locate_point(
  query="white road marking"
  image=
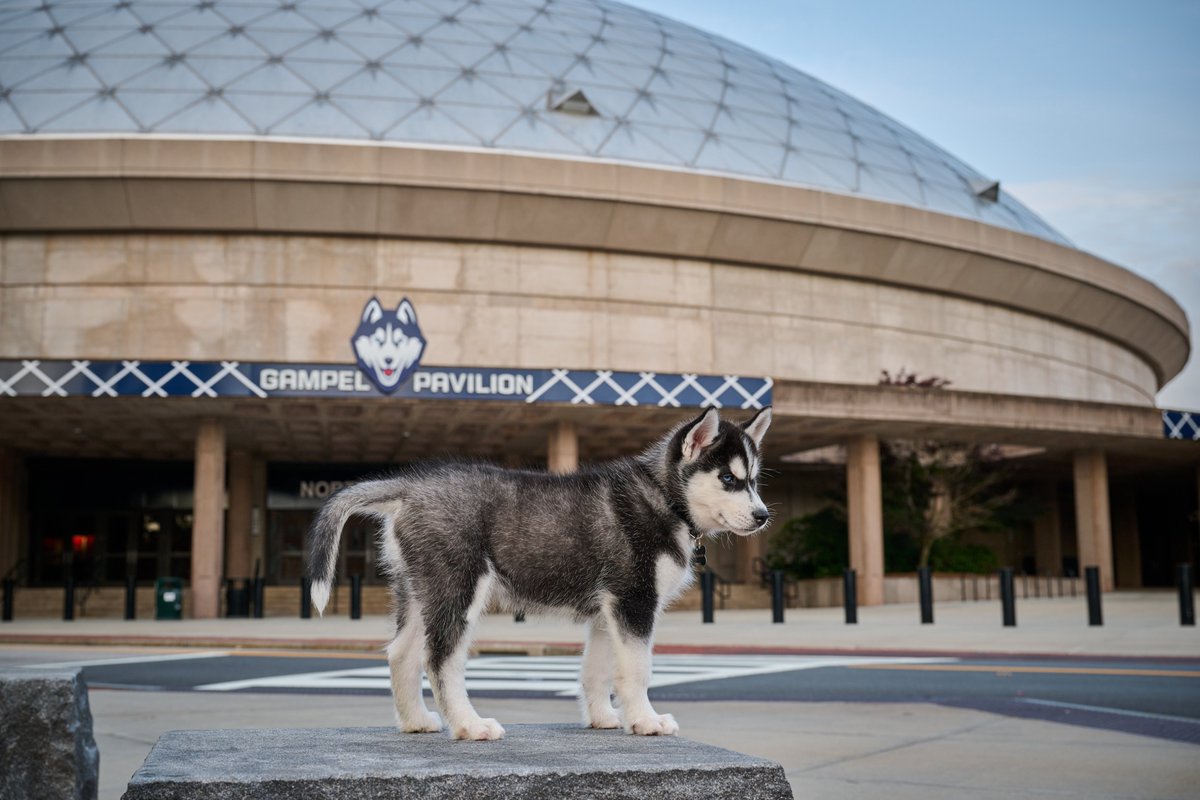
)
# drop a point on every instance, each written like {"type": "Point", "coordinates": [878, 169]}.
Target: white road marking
{"type": "Point", "coordinates": [559, 675]}
{"type": "Point", "coordinates": [129, 660]}
{"type": "Point", "coordinates": [1102, 710]}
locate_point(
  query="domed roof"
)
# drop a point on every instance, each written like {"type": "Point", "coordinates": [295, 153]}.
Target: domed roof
{"type": "Point", "coordinates": [576, 78]}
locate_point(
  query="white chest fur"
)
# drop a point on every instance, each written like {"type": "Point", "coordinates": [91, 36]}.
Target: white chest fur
{"type": "Point", "coordinates": [671, 579]}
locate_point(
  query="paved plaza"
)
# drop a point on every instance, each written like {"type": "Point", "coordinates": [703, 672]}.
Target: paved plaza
{"type": "Point", "coordinates": [1136, 624]}
{"type": "Point", "coordinates": [830, 748]}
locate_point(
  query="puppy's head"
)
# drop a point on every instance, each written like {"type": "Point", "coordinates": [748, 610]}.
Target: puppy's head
{"type": "Point", "coordinates": [717, 463]}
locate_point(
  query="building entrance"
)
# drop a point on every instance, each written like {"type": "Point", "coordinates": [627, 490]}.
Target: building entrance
{"type": "Point", "coordinates": [102, 522]}
{"type": "Point", "coordinates": [295, 492]}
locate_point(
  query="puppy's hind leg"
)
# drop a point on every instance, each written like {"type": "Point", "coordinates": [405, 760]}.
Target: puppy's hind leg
{"type": "Point", "coordinates": [596, 679]}
{"type": "Point", "coordinates": [449, 626]}
{"type": "Point", "coordinates": [404, 663]}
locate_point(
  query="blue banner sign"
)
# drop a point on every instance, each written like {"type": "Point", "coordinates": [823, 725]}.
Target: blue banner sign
{"type": "Point", "coordinates": [81, 378]}
{"type": "Point", "coordinates": [1181, 425]}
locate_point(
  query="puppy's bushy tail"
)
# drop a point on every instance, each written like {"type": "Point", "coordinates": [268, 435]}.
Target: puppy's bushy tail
{"type": "Point", "coordinates": [325, 533]}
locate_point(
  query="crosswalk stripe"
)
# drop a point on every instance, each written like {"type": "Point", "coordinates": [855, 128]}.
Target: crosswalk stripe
{"type": "Point", "coordinates": [559, 675]}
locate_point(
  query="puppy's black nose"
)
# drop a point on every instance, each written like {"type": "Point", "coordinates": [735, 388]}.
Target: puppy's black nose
{"type": "Point", "coordinates": [760, 515]}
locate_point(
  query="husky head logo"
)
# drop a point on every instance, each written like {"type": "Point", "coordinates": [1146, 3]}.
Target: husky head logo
{"type": "Point", "coordinates": [388, 344]}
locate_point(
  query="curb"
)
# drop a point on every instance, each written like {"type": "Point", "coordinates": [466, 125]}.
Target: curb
{"type": "Point", "coordinates": [537, 649]}
{"type": "Point", "coordinates": [250, 643]}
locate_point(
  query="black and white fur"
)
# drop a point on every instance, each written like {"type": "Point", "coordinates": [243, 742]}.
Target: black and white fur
{"type": "Point", "coordinates": [610, 545]}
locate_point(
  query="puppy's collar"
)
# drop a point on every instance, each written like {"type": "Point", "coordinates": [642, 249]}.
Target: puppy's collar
{"type": "Point", "coordinates": [698, 550]}
{"type": "Point", "coordinates": [686, 519]}
{"type": "Point", "coordinates": [677, 508]}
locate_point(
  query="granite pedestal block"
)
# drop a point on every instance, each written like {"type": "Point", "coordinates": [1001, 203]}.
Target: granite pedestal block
{"type": "Point", "coordinates": [46, 745]}
{"type": "Point", "coordinates": [532, 762]}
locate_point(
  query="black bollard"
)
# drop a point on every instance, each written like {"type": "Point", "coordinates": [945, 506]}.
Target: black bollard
{"type": "Point", "coordinates": [10, 589]}
{"type": "Point", "coordinates": [850, 596]}
{"type": "Point", "coordinates": [356, 597]}
{"type": "Point", "coordinates": [305, 600]}
{"type": "Point", "coordinates": [925, 585]}
{"type": "Point", "coordinates": [130, 597]}
{"type": "Point", "coordinates": [1008, 600]}
{"type": "Point", "coordinates": [777, 600]}
{"type": "Point", "coordinates": [256, 590]}
{"type": "Point", "coordinates": [1187, 601]}
{"type": "Point", "coordinates": [1095, 616]}
{"type": "Point", "coordinates": [259, 595]}
{"type": "Point", "coordinates": [247, 594]}
{"type": "Point", "coordinates": [69, 598]}
{"type": "Point", "coordinates": [237, 604]}
{"type": "Point", "coordinates": [707, 583]}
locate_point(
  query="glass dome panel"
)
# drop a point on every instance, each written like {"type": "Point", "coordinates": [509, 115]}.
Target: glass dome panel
{"type": "Point", "coordinates": [466, 72]}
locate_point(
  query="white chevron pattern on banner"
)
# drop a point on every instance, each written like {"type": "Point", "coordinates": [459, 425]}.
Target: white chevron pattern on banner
{"type": "Point", "coordinates": [1181, 425]}
{"type": "Point", "coordinates": [131, 378]}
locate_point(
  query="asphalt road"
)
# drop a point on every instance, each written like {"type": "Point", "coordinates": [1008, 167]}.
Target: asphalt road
{"type": "Point", "coordinates": [1146, 697]}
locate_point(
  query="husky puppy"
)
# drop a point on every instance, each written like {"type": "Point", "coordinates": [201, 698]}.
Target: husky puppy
{"type": "Point", "coordinates": [610, 545]}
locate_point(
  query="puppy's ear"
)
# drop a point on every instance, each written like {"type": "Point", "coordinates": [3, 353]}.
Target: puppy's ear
{"type": "Point", "coordinates": [700, 434]}
{"type": "Point", "coordinates": [756, 427]}
{"type": "Point", "coordinates": [372, 311]}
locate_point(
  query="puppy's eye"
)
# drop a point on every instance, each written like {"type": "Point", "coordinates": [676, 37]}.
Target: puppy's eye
{"type": "Point", "coordinates": [727, 478]}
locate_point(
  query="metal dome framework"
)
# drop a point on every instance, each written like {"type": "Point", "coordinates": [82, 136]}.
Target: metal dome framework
{"type": "Point", "coordinates": [474, 74]}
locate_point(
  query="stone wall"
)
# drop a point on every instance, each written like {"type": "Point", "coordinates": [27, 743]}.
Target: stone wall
{"type": "Point", "coordinates": [294, 298]}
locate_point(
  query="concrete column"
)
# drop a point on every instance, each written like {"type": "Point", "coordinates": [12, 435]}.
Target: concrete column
{"type": "Point", "coordinates": [241, 509]}
{"type": "Point", "coordinates": [864, 501]}
{"type": "Point", "coordinates": [1093, 526]}
{"type": "Point", "coordinates": [562, 453]}
{"type": "Point", "coordinates": [13, 511]}
{"type": "Point", "coordinates": [1047, 530]}
{"type": "Point", "coordinates": [1127, 544]}
{"type": "Point", "coordinates": [208, 524]}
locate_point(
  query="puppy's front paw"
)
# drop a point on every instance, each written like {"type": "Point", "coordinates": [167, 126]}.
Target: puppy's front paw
{"type": "Point", "coordinates": [653, 725]}
{"type": "Point", "coordinates": [605, 718]}
{"type": "Point", "coordinates": [427, 723]}
{"type": "Point", "coordinates": [480, 730]}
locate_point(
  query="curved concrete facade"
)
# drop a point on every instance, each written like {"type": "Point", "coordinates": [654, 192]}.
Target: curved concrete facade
{"type": "Point", "coordinates": [293, 298]}
{"type": "Point", "coordinates": [520, 260]}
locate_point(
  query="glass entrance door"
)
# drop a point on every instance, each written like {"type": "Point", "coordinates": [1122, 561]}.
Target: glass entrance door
{"type": "Point", "coordinates": [164, 544]}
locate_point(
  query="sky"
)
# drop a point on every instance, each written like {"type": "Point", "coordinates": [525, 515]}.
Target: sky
{"type": "Point", "coordinates": [1087, 111]}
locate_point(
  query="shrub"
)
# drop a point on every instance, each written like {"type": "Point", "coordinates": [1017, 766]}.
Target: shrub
{"type": "Point", "coordinates": [951, 555]}
{"type": "Point", "coordinates": [812, 546]}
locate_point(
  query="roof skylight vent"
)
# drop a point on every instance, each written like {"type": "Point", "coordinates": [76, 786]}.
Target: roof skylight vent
{"type": "Point", "coordinates": [986, 189]}
{"type": "Point", "coordinates": [572, 101]}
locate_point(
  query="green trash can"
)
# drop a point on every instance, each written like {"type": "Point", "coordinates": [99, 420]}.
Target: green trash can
{"type": "Point", "coordinates": [168, 598]}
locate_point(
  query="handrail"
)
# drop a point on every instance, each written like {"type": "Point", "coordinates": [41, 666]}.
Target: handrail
{"type": "Point", "coordinates": [13, 572]}
{"type": "Point", "coordinates": [723, 586]}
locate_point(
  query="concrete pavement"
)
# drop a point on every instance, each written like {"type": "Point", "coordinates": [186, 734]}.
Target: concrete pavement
{"type": "Point", "coordinates": [839, 751]}
{"type": "Point", "coordinates": [1136, 624]}
{"type": "Point", "coordinates": [829, 750]}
